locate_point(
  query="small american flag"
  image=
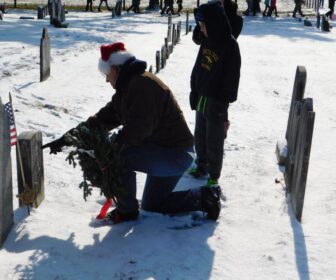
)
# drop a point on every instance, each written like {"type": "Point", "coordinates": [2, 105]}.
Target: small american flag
{"type": "Point", "coordinates": [8, 109]}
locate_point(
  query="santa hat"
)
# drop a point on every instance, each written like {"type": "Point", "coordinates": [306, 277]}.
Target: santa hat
{"type": "Point", "coordinates": [112, 54]}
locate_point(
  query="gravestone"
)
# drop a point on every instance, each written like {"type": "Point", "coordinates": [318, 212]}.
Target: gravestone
{"type": "Point", "coordinates": [6, 192]}
{"type": "Point", "coordinates": [302, 155]}
{"type": "Point", "coordinates": [44, 55]}
{"type": "Point", "coordinates": [57, 15]}
{"type": "Point", "coordinates": [30, 143]}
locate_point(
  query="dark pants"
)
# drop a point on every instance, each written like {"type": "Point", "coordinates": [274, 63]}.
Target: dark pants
{"type": "Point", "coordinates": [297, 8]}
{"type": "Point", "coordinates": [331, 8]}
{"type": "Point", "coordinates": [101, 2]}
{"type": "Point", "coordinates": [168, 8]}
{"type": "Point", "coordinates": [89, 5]}
{"type": "Point", "coordinates": [209, 138]}
{"type": "Point", "coordinates": [164, 167]}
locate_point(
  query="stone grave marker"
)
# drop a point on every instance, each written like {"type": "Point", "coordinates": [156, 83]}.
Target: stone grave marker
{"type": "Point", "coordinates": [32, 193]}
{"type": "Point", "coordinates": [44, 55]}
{"type": "Point", "coordinates": [6, 192]}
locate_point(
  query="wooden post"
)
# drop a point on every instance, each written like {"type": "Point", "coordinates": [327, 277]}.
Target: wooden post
{"type": "Point", "coordinates": [174, 34]}
{"type": "Point", "coordinates": [169, 35]}
{"type": "Point", "coordinates": [166, 47]}
{"type": "Point", "coordinates": [32, 163]}
{"type": "Point", "coordinates": [178, 35]}
{"type": "Point", "coordinates": [157, 59]}
{"type": "Point", "coordinates": [44, 55]}
{"type": "Point", "coordinates": [187, 23]}
{"type": "Point", "coordinates": [6, 193]}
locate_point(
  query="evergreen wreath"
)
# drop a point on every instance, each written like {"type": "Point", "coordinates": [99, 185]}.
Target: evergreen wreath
{"type": "Point", "coordinates": [100, 158]}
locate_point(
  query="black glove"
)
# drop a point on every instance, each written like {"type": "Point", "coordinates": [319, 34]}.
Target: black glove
{"type": "Point", "coordinates": [55, 146]}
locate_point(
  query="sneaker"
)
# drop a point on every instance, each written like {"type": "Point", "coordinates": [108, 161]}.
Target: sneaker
{"type": "Point", "coordinates": [116, 217]}
{"type": "Point", "coordinates": [198, 172]}
{"type": "Point", "coordinates": [212, 183]}
{"type": "Point", "coordinates": [210, 199]}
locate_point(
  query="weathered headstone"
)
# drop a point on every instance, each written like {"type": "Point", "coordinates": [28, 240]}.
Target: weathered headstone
{"type": "Point", "coordinates": [57, 15]}
{"type": "Point", "coordinates": [30, 143]}
{"type": "Point", "coordinates": [302, 155]}
{"type": "Point", "coordinates": [6, 192]}
{"type": "Point", "coordinates": [44, 55]}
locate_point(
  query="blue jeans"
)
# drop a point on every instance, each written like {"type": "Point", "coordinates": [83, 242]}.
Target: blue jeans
{"type": "Point", "coordinates": [164, 167]}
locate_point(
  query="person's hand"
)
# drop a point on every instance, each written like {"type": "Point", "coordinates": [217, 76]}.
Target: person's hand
{"type": "Point", "coordinates": [55, 146]}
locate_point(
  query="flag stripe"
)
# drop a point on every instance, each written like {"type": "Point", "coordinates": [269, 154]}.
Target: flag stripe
{"type": "Point", "coordinates": [12, 130]}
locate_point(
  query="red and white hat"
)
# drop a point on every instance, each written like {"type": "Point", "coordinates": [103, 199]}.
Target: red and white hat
{"type": "Point", "coordinates": [112, 54]}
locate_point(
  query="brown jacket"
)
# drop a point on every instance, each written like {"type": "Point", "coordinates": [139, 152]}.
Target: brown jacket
{"type": "Point", "coordinates": [147, 110]}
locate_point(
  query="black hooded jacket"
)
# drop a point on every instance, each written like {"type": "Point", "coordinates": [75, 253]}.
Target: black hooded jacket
{"type": "Point", "coordinates": [216, 72]}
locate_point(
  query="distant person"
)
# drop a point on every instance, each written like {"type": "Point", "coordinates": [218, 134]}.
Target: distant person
{"type": "Point", "coordinates": [255, 7]}
{"type": "Point", "coordinates": [135, 6]}
{"type": "Point", "coordinates": [88, 5]}
{"type": "Point", "coordinates": [168, 7]}
{"type": "Point", "coordinates": [267, 8]}
{"type": "Point", "coordinates": [272, 8]}
{"type": "Point", "coordinates": [101, 2]}
{"type": "Point", "coordinates": [249, 8]}
{"type": "Point", "coordinates": [331, 5]}
{"type": "Point", "coordinates": [297, 8]}
{"type": "Point", "coordinates": [179, 6]}
{"type": "Point", "coordinates": [214, 85]}
{"type": "Point", "coordinates": [154, 139]}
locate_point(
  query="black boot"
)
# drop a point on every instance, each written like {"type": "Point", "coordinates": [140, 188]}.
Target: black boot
{"type": "Point", "coordinates": [210, 199]}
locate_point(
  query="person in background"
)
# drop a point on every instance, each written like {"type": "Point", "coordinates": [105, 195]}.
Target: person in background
{"type": "Point", "coordinates": [154, 139]}
{"type": "Point", "coordinates": [101, 2]}
{"type": "Point", "coordinates": [168, 7]}
{"type": "Point", "coordinates": [214, 85]}
{"type": "Point", "coordinates": [267, 8]}
{"type": "Point", "coordinates": [297, 8]}
{"type": "Point", "coordinates": [331, 5]}
{"type": "Point", "coordinates": [88, 5]}
{"type": "Point", "coordinates": [272, 8]}
{"type": "Point", "coordinates": [135, 6]}
{"type": "Point", "coordinates": [179, 5]}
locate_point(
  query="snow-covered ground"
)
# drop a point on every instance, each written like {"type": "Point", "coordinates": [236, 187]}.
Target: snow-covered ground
{"type": "Point", "coordinates": [256, 236]}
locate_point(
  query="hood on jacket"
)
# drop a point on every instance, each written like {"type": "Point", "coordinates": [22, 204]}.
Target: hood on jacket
{"type": "Point", "coordinates": [217, 24]}
{"type": "Point", "coordinates": [130, 68]}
